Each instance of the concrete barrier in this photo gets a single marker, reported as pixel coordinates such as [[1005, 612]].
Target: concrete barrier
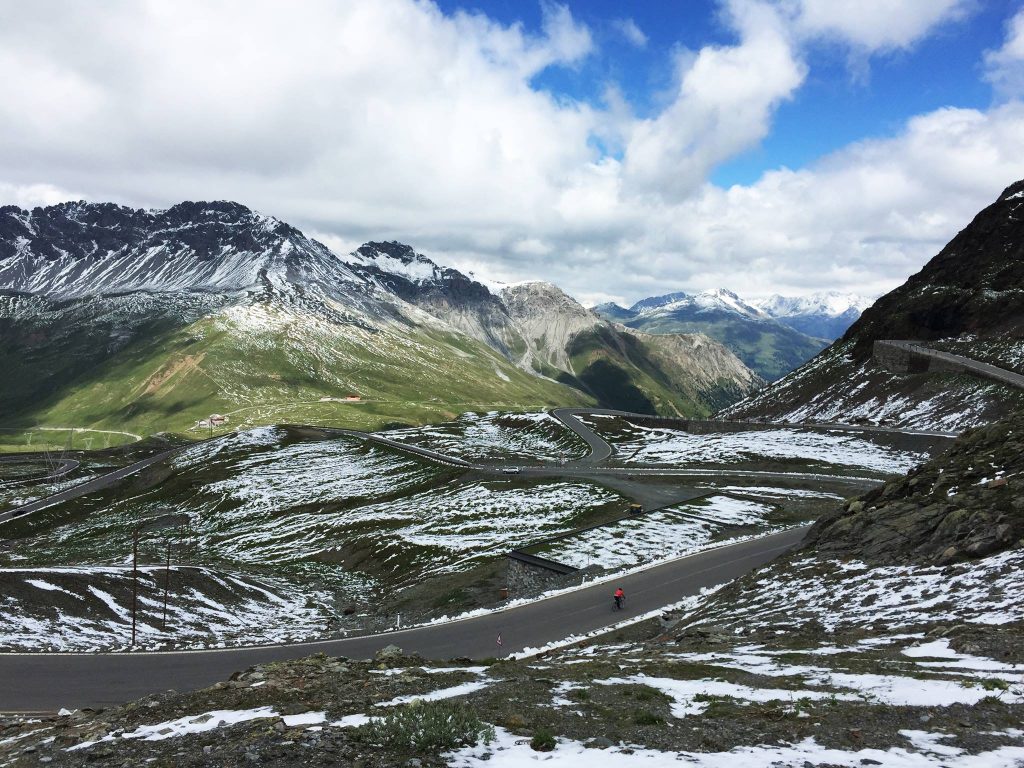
[[904, 356]]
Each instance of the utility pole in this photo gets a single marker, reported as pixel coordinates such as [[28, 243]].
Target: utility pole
[[135, 581], [167, 584]]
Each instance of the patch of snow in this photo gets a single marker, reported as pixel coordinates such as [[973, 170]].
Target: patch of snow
[[511, 751]]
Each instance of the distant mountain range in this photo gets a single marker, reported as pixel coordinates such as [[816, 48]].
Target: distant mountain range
[[771, 336], [969, 299], [151, 320], [820, 315]]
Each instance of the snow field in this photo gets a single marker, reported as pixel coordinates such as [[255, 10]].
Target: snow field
[[656, 535], [89, 609], [845, 594], [657, 445], [313, 720], [532, 436], [512, 751]]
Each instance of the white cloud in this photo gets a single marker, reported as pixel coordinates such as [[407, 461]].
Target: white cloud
[[726, 97], [873, 25], [862, 219], [629, 30], [31, 195], [388, 119], [1004, 67]]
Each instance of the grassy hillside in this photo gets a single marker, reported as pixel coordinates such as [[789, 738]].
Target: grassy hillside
[[262, 364], [769, 349], [623, 371]]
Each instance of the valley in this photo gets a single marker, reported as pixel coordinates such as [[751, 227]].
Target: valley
[[368, 530], [303, 454]]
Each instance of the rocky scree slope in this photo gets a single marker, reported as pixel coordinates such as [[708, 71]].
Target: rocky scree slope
[[155, 319], [969, 298], [764, 344]]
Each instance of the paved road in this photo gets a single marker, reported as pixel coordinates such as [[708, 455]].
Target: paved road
[[66, 467], [104, 481], [46, 682], [426, 453], [984, 370], [600, 449]]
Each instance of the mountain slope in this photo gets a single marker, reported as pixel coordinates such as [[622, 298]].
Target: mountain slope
[[152, 320], [766, 346], [621, 368], [969, 299]]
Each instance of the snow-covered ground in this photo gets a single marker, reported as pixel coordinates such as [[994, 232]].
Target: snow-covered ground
[[849, 594], [532, 436], [255, 498], [658, 445], [90, 609], [656, 535], [512, 751]]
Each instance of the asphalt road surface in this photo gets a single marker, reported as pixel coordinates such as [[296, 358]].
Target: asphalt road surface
[[46, 682], [81, 489]]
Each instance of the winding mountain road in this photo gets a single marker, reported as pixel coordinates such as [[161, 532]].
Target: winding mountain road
[[36, 682], [45, 682]]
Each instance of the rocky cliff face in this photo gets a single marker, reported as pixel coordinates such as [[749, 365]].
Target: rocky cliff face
[[969, 299], [548, 320]]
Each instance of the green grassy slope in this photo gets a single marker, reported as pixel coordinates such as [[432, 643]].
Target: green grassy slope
[[769, 349], [624, 372], [263, 364]]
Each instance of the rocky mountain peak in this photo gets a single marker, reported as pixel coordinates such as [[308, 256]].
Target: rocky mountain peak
[[654, 302], [973, 285], [542, 297], [400, 260], [1013, 192], [80, 248]]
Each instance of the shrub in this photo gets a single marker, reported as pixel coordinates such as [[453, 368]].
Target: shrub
[[433, 725], [646, 717], [543, 740]]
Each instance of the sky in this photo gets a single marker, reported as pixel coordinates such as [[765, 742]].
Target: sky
[[619, 150]]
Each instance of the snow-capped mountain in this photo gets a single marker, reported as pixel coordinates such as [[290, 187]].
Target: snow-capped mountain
[[705, 302], [967, 299], [165, 316], [79, 249], [824, 315], [766, 345], [829, 303]]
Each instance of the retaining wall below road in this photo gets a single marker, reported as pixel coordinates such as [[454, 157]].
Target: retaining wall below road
[[531, 575], [899, 356]]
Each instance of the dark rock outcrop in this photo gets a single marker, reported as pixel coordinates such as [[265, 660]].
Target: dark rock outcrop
[[973, 285], [966, 503]]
